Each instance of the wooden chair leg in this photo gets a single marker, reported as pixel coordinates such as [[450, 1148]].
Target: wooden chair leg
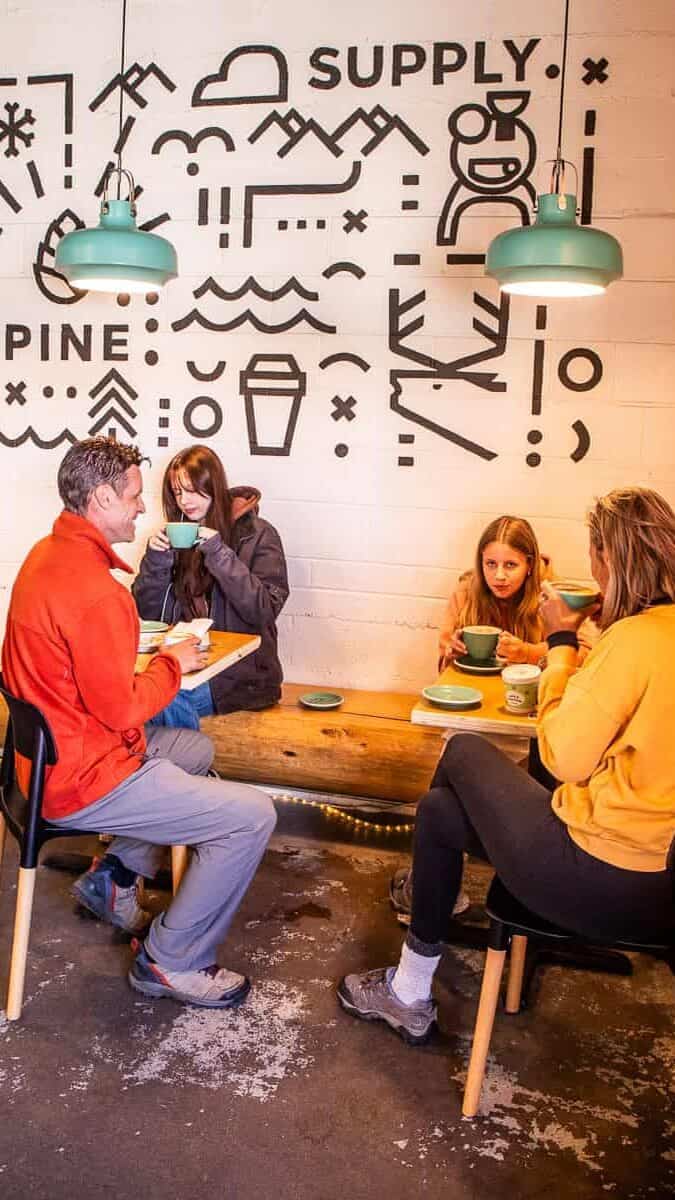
[[179, 862], [487, 1006], [516, 967], [3, 836], [22, 919]]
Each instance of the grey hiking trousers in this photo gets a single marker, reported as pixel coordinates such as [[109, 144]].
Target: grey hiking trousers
[[169, 801]]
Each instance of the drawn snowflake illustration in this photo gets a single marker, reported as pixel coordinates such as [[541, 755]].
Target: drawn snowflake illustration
[[13, 129]]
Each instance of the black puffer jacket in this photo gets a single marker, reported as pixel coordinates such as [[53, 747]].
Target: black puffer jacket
[[250, 587]]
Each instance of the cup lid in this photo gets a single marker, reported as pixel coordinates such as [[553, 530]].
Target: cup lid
[[521, 673]]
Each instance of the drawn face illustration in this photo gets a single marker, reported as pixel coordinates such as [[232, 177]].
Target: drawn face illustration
[[506, 144]]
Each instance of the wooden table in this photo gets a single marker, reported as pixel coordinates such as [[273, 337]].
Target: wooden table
[[492, 716], [224, 649]]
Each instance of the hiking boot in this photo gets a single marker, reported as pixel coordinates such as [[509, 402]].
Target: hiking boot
[[400, 894], [209, 987], [97, 891], [370, 996]]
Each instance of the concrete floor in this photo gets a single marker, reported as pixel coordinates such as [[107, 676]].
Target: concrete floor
[[106, 1094]]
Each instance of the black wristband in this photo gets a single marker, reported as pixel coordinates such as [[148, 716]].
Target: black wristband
[[562, 637]]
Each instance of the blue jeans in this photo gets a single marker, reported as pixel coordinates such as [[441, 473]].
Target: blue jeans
[[186, 708]]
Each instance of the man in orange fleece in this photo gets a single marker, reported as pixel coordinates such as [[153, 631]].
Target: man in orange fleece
[[70, 649]]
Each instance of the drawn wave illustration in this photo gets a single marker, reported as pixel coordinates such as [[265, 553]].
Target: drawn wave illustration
[[247, 317], [30, 435], [209, 286]]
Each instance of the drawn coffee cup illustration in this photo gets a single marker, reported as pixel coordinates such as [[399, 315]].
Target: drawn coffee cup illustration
[[272, 386]]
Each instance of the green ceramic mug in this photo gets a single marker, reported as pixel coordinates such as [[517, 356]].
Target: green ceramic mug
[[480, 641], [182, 534]]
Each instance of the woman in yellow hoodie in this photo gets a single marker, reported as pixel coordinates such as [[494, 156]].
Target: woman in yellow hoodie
[[593, 855]]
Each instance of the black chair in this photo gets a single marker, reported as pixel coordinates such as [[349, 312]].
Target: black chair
[[511, 925], [27, 734]]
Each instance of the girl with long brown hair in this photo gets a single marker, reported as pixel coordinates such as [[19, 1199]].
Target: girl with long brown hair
[[502, 590], [596, 854], [236, 575]]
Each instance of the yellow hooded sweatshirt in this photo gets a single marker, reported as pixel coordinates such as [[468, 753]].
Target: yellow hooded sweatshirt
[[607, 731]]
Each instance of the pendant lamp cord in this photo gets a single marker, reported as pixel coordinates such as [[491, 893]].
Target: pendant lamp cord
[[559, 166], [121, 94]]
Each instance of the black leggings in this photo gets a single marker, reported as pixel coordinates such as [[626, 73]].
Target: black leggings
[[483, 803]]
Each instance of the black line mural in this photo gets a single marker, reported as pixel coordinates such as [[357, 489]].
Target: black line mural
[[52, 284], [163, 421], [247, 317], [254, 192], [503, 174], [15, 392], [192, 141], [248, 191], [346, 268], [131, 82], [13, 128], [333, 359], [432, 369], [379, 123], [29, 435], [212, 89], [273, 387], [206, 376], [343, 408], [256, 289], [113, 406], [596, 72], [195, 428], [583, 354]]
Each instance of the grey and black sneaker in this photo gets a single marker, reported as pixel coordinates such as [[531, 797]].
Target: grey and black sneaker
[[370, 996], [97, 891], [208, 987], [400, 894]]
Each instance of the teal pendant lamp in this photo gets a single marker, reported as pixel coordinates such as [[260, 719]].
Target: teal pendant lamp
[[116, 256], [555, 256]]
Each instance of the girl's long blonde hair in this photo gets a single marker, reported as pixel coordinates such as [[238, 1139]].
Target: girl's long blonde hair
[[635, 530], [483, 608]]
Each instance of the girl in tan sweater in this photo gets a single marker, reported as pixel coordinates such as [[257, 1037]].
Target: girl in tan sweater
[[502, 590]]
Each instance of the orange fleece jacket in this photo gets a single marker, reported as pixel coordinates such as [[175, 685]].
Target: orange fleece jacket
[[70, 648]]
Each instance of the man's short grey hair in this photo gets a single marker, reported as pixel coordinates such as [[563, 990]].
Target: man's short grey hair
[[90, 463]]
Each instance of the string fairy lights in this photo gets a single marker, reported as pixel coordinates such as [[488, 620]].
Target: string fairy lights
[[333, 811]]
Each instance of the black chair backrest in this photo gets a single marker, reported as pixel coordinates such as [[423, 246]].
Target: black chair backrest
[[28, 734]]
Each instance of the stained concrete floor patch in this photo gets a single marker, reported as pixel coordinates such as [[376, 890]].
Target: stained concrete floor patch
[[288, 1097]]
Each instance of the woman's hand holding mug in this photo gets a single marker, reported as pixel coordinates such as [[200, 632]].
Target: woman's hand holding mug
[[456, 647], [159, 541], [511, 648], [557, 616]]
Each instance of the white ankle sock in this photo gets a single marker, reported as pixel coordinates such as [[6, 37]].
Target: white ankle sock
[[412, 980]]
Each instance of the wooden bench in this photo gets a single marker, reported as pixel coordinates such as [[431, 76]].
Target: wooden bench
[[367, 747]]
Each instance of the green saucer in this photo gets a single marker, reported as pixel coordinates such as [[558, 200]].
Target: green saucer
[[321, 699], [447, 695]]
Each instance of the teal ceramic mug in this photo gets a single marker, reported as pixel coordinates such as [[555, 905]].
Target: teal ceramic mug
[[182, 534], [480, 640]]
